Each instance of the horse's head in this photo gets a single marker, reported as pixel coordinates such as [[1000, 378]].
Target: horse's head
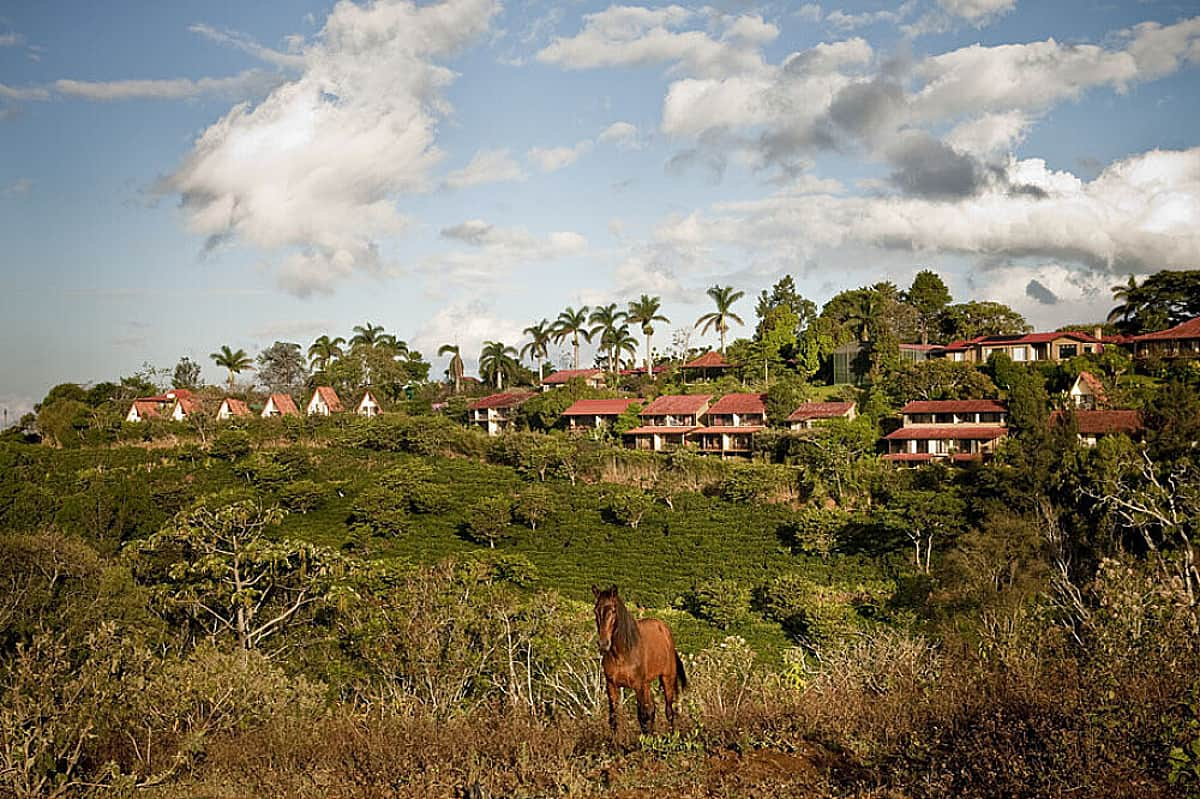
[[607, 603]]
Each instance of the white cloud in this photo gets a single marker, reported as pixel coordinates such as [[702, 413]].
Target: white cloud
[[551, 159], [28, 93], [623, 134], [977, 10], [252, 82], [247, 45], [488, 166], [809, 12], [312, 171], [466, 325], [840, 19], [20, 186], [491, 252], [16, 406], [990, 134], [11, 40]]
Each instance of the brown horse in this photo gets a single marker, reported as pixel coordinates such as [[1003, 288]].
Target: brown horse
[[634, 654]]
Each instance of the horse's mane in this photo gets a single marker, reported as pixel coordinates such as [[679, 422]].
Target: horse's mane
[[625, 631]]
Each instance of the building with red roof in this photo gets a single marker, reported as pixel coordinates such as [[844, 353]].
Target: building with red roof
[[144, 408], [954, 430], [1087, 392], [231, 407], [1183, 340], [596, 413], [810, 413], [279, 405], [1023, 348], [592, 378], [496, 413], [667, 420], [323, 402], [185, 405], [706, 363], [368, 406], [1093, 425], [730, 424]]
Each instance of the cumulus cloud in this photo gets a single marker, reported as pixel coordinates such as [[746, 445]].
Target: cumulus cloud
[[840, 19], [312, 171], [492, 252], [1038, 292], [252, 82], [487, 166], [623, 134], [551, 159], [466, 325], [977, 11]]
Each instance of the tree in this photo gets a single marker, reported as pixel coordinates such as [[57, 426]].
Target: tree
[[236, 362], [619, 342], [625, 506], [784, 295], [937, 379], [783, 397], [367, 335], [605, 320], [282, 367], [644, 312], [572, 323], [538, 348], [1163, 300], [454, 369], [966, 320], [187, 374], [723, 297], [489, 520], [924, 516], [1127, 307], [497, 361], [324, 351], [62, 422], [535, 505], [218, 566], [929, 295]]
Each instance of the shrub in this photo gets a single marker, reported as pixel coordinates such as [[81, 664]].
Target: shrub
[[815, 531], [302, 496], [414, 487], [229, 445], [724, 603], [757, 482], [811, 614], [265, 471], [625, 506], [378, 512]]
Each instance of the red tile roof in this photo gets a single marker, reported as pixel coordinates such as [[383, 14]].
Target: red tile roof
[[1100, 422], [509, 399], [178, 393], [1093, 382], [820, 410], [237, 407], [738, 403], [918, 457], [660, 429], [1183, 330], [920, 347], [284, 404], [727, 428], [709, 360], [953, 406], [675, 404], [1020, 338], [563, 375], [599, 407], [947, 433], [189, 404], [332, 401], [147, 408]]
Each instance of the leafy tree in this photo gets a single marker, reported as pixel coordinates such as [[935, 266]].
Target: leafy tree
[[775, 339], [303, 496], [108, 510], [368, 335], [63, 422], [235, 361], [816, 531], [572, 323], [534, 505], [834, 454], [723, 297], [1173, 424], [966, 320], [497, 361], [645, 312], [229, 445], [722, 602], [282, 367], [937, 379], [218, 567], [538, 348], [324, 351], [187, 374], [925, 516], [65, 391], [454, 370], [929, 295], [625, 506], [853, 310], [784, 295], [1162, 300], [377, 511], [783, 397], [489, 520]]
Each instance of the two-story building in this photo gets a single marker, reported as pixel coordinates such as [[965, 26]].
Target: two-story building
[[496, 413], [1180, 341], [730, 424], [1093, 425], [809, 414], [592, 378], [593, 414], [667, 421], [1023, 348], [955, 430]]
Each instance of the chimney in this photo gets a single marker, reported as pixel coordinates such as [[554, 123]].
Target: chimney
[[1098, 332]]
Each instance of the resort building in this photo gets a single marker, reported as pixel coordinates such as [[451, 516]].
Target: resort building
[[1086, 393], [810, 413], [956, 430], [730, 425], [1093, 425], [1180, 341], [279, 405], [667, 421], [323, 402], [496, 413], [1025, 348], [185, 406], [368, 406], [852, 362], [593, 414], [231, 407], [706, 365], [592, 378], [144, 408]]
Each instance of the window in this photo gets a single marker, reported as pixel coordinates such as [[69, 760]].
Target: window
[[989, 418], [1066, 351], [1019, 353], [1087, 348]]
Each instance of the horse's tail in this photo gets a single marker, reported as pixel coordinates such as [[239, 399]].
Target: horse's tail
[[680, 674]]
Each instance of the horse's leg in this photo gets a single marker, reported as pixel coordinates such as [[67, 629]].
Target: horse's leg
[[614, 699], [645, 703], [668, 688]]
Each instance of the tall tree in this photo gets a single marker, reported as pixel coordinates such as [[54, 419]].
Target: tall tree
[[324, 351], [1163, 300], [1127, 306], [572, 323], [967, 320], [497, 361], [455, 368], [187, 374], [281, 367], [723, 297], [618, 342], [235, 362], [784, 295], [605, 319], [367, 335], [644, 312], [538, 348], [929, 295]]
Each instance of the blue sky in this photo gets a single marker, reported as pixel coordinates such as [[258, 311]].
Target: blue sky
[[178, 176]]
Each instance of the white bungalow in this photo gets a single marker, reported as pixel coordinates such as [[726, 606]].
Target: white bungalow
[[368, 406], [323, 402], [231, 407], [279, 405]]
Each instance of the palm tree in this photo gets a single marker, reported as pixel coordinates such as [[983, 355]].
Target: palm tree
[[572, 323], [538, 347], [618, 342], [455, 367], [324, 351], [235, 362], [605, 319], [644, 312], [724, 297], [495, 361], [367, 335], [1129, 306]]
